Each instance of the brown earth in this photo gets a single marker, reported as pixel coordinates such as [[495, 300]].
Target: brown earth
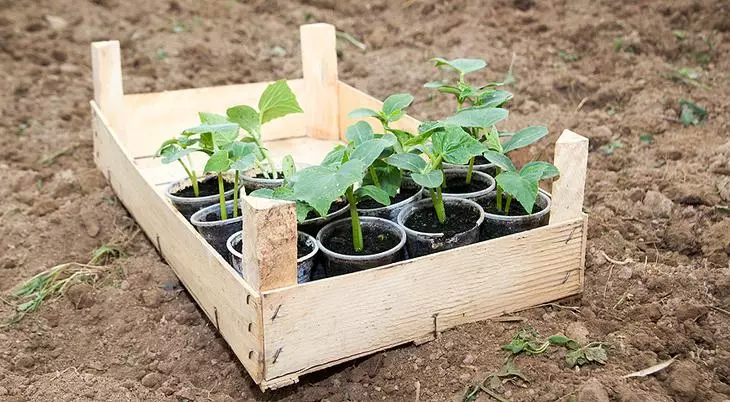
[[599, 68]]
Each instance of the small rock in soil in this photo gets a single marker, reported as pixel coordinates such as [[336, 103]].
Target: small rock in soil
[[577, 331], [152, 298], [469, 359], [657, 204], [81, 295], [592, 391], [90, 224], [152, 380], [683, 379], [624, 272], [25, 361]]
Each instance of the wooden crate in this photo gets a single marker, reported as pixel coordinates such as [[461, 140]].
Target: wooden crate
[[281, 330]]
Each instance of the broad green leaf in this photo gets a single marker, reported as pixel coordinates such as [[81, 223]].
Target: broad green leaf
[[359, 132], [286, 194], [363, 112], [456, 145], [431, 179], [246, 117], [218, 162], [495, 98], [429, 125], [502, 161], [222, 128], [395, 103], [402, 135], [596, 354], [558, 340], [435, 84], [173, 153], [477, 117], [335, 156], [389, 178], [540, 170], [214, 136], [288, 167], [521, 188], [319, 186], [374, 192], [368, 151], [212, 118], [525, 137], [244, 163], [407, 161], [463, 66], [492, 141], [389, 138], [277, 100], [239, 149]]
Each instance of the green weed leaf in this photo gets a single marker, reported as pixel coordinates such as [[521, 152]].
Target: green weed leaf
[[277, 100], [691, 114]]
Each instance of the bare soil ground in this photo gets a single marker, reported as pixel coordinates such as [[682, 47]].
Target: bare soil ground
[[600, 68]]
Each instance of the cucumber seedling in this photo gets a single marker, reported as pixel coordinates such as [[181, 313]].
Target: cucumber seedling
[[522, 184]]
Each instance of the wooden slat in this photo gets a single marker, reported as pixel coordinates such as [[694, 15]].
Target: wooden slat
[[571, 158], [106, 62], [269, 243], [161, 115], [319, 65], [352, 98], [228, 301], [336, 319]]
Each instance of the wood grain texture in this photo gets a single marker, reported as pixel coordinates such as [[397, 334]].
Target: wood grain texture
[[228, 301], [352, 98], [336, 319], [106, 65], [269, 243], [161, 115], [571, 158], [319, 67]]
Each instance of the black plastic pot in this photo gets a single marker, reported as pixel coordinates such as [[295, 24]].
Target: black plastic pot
[[391, 211], [421, 242], [181, 195], [496, 225], [481, 185], [215, 231], [337, 263], [314, 225], [481, 164], [307, 250]]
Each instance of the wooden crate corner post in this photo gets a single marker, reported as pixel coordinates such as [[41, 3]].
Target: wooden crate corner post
[[571, 158], [106, 65], [321, 83], [269, 243]]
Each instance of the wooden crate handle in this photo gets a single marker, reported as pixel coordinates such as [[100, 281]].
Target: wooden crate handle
[[319, 66], [269, 243], [106, 64], [571, 157]]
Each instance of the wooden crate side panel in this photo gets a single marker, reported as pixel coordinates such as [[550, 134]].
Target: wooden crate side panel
[[174, 111], [352, 98], [230, 303], [314, 325]]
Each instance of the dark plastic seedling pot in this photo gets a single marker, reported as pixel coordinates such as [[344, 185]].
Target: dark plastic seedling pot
[[215, 231], [339, 264], [188, 205], [423, 243], [496, 225], [314, 225], [481, 164], [391, 211], [481, 185], [306, 247]]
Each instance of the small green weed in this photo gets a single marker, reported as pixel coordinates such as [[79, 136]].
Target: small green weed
[[690, 113]]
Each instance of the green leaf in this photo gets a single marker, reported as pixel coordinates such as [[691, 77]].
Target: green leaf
[[288, 167], [359, 132], [363, 112], [435, 84], [596, 354], [369, 151], [319, 186], [389, 178], [456, 145], [477, 117], [374, 192], [502, 161], [244, 163], [523, 189], [335, 156], [218, 162], [431, 179], [389, 138], [539, 170], [246, 117], [222, 128], [396, 103], [575, 358], [407, 161], [495, 98], [173, 153], [277, 100], [212, 118], [525, 137], [558, 340], [402, 135], [691, 114], [286, 194], [463, 66]]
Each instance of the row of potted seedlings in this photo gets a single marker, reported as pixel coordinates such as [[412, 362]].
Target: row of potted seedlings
[[407, 194]]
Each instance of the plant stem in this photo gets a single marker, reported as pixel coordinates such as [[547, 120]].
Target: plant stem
[[374, 176], [470, 170], [356, 228], [506, 205], [269, 159], [261, 168], [236, 183], [438, 204], [222, 197], [191, 176], [499, 198]]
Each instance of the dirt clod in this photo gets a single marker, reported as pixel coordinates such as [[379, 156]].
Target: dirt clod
[[592, 391], [152, 380], [577, 331], [657, 204], [682, 380], [81, 295]]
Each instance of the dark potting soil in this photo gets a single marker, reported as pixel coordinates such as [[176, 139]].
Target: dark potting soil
[[206, 188], [459, 218], [336, 206], [458, 185], [216, 216], [369, 203], [480, 160], [279, 176], [374, 240], [238, 246], [302, 247], [515, 208]]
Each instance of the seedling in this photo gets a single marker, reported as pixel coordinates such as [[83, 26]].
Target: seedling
[[380, 174], [691, 114], [527, 340], [522, 185]]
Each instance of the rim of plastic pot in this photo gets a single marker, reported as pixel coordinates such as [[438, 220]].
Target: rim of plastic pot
[[197, 218], [186, 182], [314, 251], [233, 239], [473, 194], [539, 214], [408, 200], [328, 216], [455, 166], [406, 212], [250, 174], [363, 219]]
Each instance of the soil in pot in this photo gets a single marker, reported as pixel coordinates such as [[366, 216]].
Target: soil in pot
[[208, 186], [374, 241], [481, 164], [183, 198], [456, 186], [459, 218], [314, 222], [497, 224], [214, 230]]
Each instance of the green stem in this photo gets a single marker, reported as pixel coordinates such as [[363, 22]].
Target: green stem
[[222, 197], [261, 168], [356, 228], [499, 198], [506, 205], [470, 170], [374, 176], [191, 176], [236, 183], [269, 159], [438, 204]]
